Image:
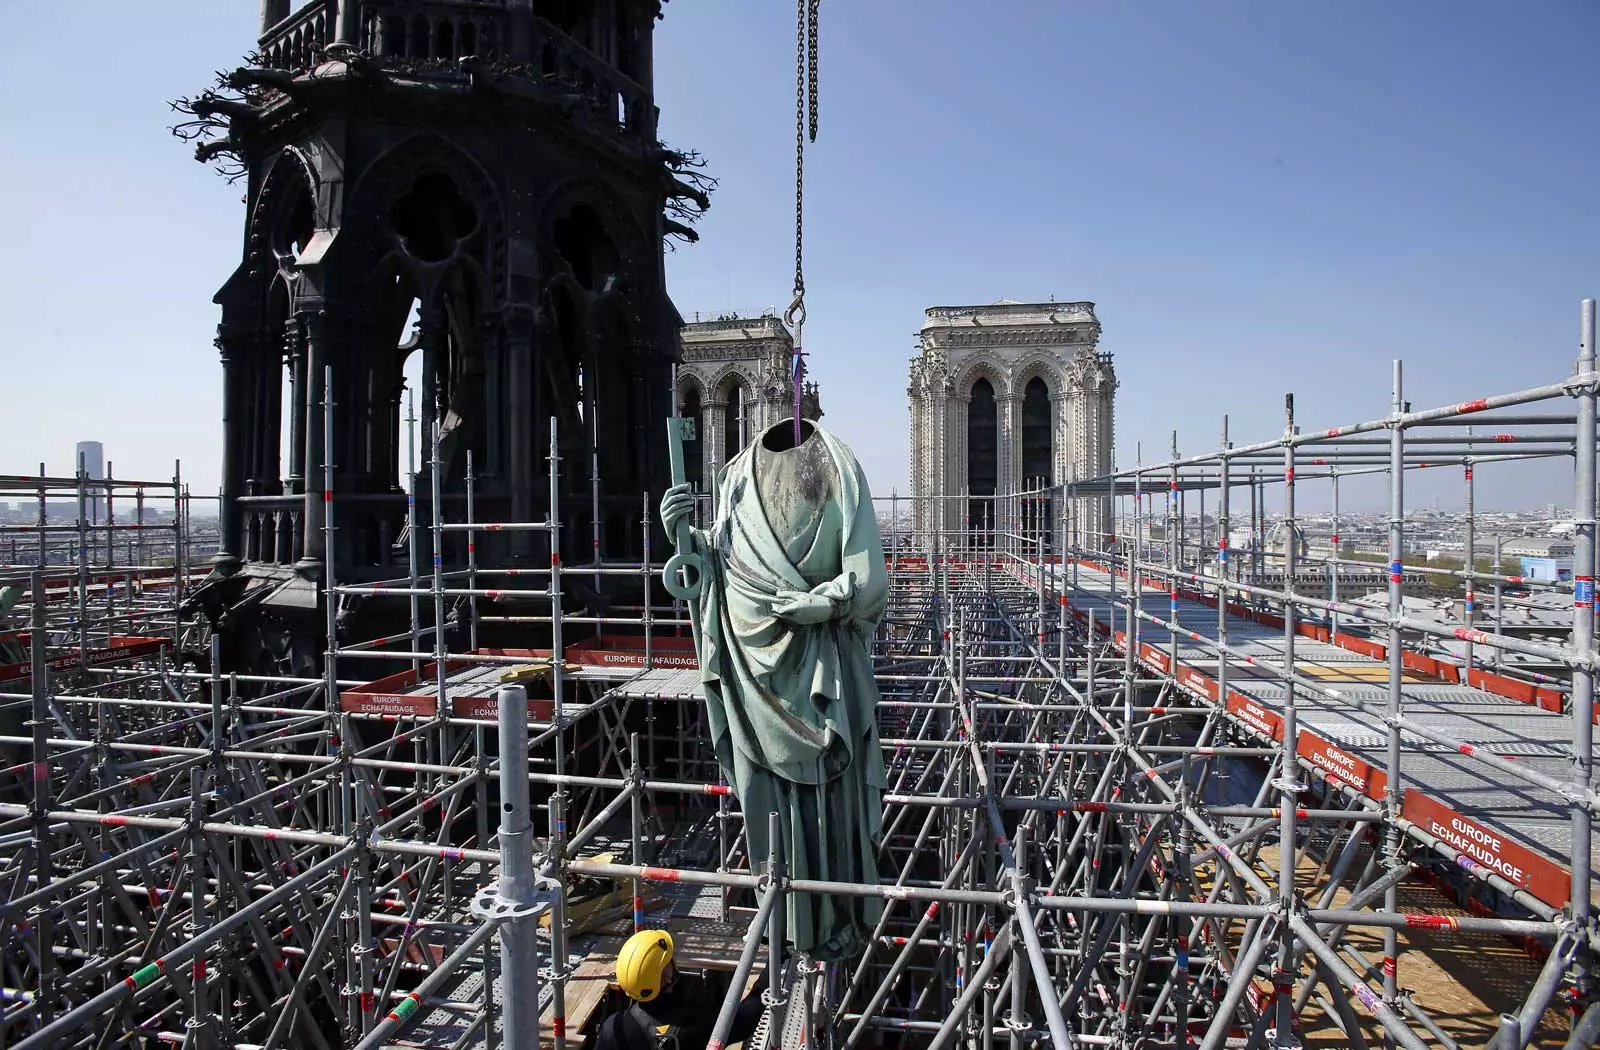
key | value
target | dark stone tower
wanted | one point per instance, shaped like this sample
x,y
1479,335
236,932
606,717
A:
x,y
492,166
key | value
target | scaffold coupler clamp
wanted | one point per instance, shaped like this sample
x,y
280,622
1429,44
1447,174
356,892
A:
x,y
365,839
1581,383
1578,937
1021,889
1284,912
774,995
1289,787
1021,1026
1287,1041
488,905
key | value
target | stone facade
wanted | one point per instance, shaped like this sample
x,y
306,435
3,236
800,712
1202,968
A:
x,y
1008,345
497,172
736,379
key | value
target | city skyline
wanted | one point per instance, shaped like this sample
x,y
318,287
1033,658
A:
x,y
1237,243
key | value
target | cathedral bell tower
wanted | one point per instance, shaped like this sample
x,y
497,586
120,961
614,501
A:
x,y
477,183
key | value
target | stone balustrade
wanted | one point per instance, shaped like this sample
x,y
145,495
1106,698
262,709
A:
x,y
435,30
431,36
297,42
273,528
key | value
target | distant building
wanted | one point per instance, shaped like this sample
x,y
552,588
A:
x,y
90,457
1548,570
1006,398
1538,547
736,379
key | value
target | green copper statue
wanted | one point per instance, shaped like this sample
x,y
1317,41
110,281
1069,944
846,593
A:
x,y
794,586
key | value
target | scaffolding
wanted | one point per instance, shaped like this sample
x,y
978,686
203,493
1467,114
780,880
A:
x,y
1119,811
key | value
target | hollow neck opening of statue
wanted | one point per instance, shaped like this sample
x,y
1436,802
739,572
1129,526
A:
x,y
780,436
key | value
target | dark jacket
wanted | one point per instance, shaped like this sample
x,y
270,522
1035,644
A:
x,y
689,1008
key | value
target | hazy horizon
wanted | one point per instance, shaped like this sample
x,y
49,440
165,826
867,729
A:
x,y
1258,198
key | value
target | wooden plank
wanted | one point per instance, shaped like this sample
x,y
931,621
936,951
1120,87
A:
x,y
586,995
597,912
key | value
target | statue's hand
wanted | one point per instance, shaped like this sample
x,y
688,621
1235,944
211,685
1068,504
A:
x,y
802,608
677,503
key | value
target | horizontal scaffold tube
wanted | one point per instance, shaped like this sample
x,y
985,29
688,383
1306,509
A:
x,y
251,831
51,1035
1564,789
396,1018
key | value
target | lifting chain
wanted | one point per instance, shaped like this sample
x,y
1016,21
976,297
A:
x,y
805,119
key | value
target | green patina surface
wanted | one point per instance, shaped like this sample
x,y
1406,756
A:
x,y
790,694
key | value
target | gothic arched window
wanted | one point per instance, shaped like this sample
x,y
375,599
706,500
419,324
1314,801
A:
x,y
1038,466
735,419
983,456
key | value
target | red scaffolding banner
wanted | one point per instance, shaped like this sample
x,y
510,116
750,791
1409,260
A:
x,y
1341,766
1490,849
121,648
1253,715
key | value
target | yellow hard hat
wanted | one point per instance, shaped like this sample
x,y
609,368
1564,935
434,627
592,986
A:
x,y
642,962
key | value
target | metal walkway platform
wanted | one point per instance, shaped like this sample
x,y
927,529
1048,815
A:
x,y
1520,830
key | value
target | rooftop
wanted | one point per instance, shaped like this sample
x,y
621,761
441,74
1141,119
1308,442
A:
x,y
1538,546
733,328
1008,312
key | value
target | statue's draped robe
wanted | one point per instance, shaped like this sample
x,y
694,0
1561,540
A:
x,y
792,708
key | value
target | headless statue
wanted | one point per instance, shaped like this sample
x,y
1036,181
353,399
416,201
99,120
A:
x,y
794,588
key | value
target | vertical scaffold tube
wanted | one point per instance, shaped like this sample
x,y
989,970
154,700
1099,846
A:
x,y
1333,578
1255,535
519,945
558,931
1223,526
411,528
1470,601
337,746
636,827
777,925
1288,784
44,926
1499,597
1016,1018
1060,579
83,564
472,558
1174,560
649,603
594,501
440,665
329,584
1583,636
1135,579
741,972
1392,798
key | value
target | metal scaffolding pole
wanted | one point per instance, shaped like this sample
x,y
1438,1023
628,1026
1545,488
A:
x,y
260,859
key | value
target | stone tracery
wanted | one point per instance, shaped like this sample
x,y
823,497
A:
x,y
740,369
1010,345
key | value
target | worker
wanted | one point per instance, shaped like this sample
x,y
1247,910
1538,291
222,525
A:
x,y
671,1010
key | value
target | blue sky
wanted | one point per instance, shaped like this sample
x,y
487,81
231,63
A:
x,y
1259,197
